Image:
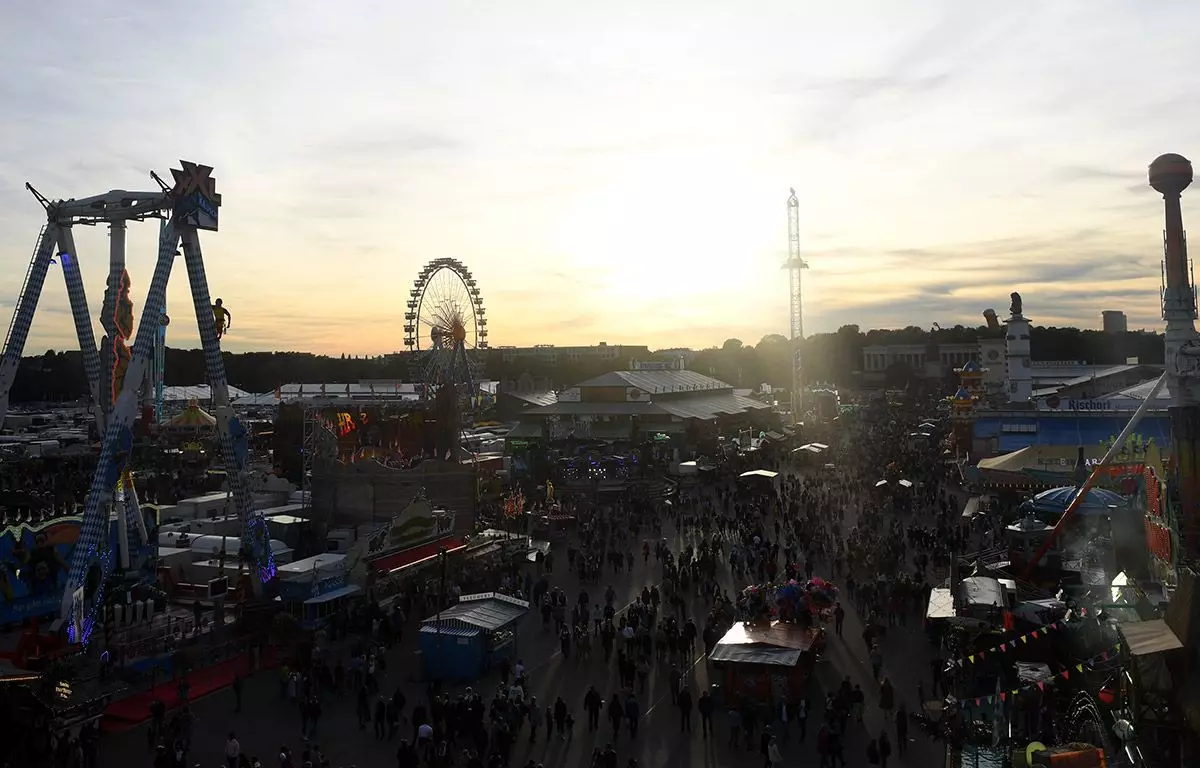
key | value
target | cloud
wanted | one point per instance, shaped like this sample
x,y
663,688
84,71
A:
x,y
944,154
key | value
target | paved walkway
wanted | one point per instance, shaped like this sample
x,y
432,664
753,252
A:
x,y
267,723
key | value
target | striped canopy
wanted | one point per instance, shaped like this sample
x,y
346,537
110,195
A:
x,y
192,417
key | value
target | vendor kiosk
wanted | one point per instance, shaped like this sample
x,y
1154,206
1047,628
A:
x,y
470,637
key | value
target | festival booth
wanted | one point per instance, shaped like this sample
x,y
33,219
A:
x,y
465,641
765,663
770,656
315,588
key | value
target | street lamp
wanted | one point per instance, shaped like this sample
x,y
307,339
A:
x,y
437,642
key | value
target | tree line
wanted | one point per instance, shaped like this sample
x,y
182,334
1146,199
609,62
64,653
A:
x,y
835,358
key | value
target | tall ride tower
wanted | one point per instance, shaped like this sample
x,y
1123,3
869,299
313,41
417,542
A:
x,y
1171,174
795,267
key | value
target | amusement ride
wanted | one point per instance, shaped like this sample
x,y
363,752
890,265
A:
x,y
121,378
445,324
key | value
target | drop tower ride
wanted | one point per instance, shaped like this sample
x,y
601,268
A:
x,y
1170,174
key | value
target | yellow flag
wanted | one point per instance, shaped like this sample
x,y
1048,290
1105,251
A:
x,y
1024,638
1078,667
971,659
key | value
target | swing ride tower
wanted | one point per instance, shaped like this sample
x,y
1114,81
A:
x,y
190,204
795,265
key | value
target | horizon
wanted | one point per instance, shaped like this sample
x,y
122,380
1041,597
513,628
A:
x,y
610,174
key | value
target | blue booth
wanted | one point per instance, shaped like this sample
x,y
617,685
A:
x,y
471,636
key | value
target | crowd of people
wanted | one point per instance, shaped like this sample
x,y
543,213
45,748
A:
x,y
695,556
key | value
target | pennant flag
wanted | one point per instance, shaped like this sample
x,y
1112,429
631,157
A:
x,y
1015,691
1066,674
971,658
1034,634
1003,695
977,702
982,655
1078,667
1024,638
1041,685
1118,647
1004,648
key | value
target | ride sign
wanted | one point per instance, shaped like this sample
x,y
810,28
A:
x,y
195,195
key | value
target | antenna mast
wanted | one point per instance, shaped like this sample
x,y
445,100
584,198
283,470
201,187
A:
x,y
795,267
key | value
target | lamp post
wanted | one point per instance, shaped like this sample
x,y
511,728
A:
x,y
437,642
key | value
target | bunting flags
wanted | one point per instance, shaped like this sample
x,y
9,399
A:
x,y
1040,684
1009,644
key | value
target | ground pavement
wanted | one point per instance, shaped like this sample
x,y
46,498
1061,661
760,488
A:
x,y
266,722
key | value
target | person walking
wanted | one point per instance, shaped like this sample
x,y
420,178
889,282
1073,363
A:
x,y
901,731
233,751
705,707
237,693
593,702
684,701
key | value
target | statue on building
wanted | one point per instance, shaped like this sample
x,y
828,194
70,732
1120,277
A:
x,y
1015,309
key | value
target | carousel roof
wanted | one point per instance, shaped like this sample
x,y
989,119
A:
x,y
193,417
1056,500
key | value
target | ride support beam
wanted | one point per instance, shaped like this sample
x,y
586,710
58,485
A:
x,y
92,545
229,429
77,296
27,301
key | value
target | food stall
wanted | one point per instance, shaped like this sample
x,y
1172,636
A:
x,y
765,662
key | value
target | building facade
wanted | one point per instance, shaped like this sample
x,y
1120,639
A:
x,y
1114,321
878,358
551,354
625,406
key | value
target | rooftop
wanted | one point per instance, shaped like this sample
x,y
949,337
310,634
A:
x,y
658,382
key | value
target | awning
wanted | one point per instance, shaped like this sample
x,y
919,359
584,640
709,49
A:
x,y
488,611
406,558
484,551
1143,638
755,653
760,473
971,509
941,604
346,591
525,430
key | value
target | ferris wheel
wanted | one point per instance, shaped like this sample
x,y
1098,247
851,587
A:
x,y
445,323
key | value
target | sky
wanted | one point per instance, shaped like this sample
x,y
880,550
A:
x,y
612,171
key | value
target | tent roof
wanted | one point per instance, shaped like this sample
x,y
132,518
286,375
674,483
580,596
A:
x,y
175,394
1056,501
488,611
1147,637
